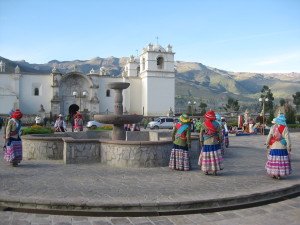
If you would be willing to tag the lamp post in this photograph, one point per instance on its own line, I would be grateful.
(79, 95)
(192, 105)
(263, 100)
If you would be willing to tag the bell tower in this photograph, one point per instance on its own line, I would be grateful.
(158, 79)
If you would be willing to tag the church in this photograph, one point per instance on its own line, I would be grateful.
(151, 91)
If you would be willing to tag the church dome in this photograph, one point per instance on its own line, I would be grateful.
(158, 48)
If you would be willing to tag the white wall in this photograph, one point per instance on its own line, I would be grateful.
(29, 103)
(160, 95)
(106, 102)
(7, 94)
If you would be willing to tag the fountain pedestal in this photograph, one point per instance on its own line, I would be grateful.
(118, 119)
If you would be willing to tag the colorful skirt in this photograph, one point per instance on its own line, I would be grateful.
(278, 163)
(13, 152)
(210, 159)
(179, 159)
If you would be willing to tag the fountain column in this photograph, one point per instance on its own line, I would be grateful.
(118, 119)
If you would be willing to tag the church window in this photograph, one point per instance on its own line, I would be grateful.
(143, 64)
(36, 92)
(107, 93)
(160, 62)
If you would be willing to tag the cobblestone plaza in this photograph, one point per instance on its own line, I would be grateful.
(243, 180)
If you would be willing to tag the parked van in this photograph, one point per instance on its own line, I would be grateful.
(162, 123)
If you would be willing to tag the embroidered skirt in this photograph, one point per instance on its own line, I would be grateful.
(179, 159)
(210, 158)
(13, 152)
(278, 163)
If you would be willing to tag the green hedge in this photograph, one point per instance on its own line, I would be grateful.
(293, 125)
(35, 129)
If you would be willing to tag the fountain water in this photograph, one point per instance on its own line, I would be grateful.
(118, 119)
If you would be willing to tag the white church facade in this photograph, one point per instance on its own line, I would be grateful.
(151, 91)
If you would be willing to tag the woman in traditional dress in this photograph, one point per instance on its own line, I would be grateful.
(60, 124)
(13, 147)
(210, 159)
(222, 144)
(181, 136)
(279, 148)
(225, 131)
(78, 122)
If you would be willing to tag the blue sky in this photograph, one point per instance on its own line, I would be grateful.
(250, 36)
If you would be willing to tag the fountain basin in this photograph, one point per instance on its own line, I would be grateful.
(118, 85)
(118, 119)
(142, 148)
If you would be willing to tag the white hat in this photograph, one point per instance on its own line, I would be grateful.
(60, 115)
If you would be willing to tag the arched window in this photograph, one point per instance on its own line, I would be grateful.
(143, 64)
(160, 62)
(36, 92)
(138, 71)
(107, 93)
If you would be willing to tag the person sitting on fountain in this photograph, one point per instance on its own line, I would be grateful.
(181, 136)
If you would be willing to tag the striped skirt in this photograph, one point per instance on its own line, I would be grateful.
(278, 163)
(210, 158)
(179, 159)
(13, 152)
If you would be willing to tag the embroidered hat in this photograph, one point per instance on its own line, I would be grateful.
(17, 114)
(280, 120)
(210, 115)
(184, 118)
(218, 117)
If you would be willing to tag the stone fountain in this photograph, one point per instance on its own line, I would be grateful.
(118, 119)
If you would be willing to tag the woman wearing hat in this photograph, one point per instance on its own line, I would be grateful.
(181, 136)
(279, 148)
(60, 124)
(210, 159)
(13, 148)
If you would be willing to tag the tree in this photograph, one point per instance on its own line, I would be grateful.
(202, 107)
(232, 105)
(266, 93)
(290, 114)
(281, 102)
(296, 100)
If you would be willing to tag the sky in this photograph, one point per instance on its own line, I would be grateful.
(234, 35)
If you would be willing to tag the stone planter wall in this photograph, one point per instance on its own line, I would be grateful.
(81, 151)
(112, 153)
(42, 148)
(136, 154)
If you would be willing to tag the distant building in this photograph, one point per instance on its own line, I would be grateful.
(151, 91)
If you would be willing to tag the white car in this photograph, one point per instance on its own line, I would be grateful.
(162, 123)
(93, 124)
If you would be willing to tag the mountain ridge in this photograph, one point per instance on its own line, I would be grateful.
(194, 80)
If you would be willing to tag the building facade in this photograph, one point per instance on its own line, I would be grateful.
(151, 91)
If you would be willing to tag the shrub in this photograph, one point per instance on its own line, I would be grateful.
(293, 125)
(105, 127)
(37, 129)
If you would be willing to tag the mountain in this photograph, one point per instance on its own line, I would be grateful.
(194, 81)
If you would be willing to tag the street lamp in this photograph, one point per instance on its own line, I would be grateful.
(80, 96)
(263, 100)
(192, 104)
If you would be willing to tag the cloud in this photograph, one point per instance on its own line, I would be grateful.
(287, 57)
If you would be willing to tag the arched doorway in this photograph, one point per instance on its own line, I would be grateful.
(73, 109)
